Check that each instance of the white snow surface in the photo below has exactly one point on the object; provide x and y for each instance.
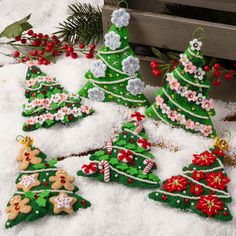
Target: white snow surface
(116, 209)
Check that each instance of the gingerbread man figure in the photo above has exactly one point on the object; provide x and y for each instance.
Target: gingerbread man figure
(62, 179)
(17, 206)
(28, 156)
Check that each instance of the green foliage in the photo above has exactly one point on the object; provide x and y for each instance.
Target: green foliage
(16, 28)
(84, 24)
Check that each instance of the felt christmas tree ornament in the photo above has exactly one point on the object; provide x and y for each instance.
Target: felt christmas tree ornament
(114, 76)
(126, 159)
(42, 188)
(184, 101)
(201, 188)
(48, 102)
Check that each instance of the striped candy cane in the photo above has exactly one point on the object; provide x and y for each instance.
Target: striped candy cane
(109, 145)
(138, 129)
(149, 164)
(105, 166)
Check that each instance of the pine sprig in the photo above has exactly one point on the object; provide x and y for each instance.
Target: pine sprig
(84, 24)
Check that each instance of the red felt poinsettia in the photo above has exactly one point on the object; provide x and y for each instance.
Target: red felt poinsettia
(125, 156)
(204, 159)
(198, 175)
(219, 152)
(196, 189)
(176, 183)
(142, 142)
(89, 169)
(209, 205)
(137, 116)
(217, 180)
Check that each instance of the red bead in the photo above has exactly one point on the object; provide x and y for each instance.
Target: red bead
(67, 54)
(17, 38)
(27, 92)
(33, 71)
(216, 73)
(46, 36)
(92, 46)
(225, 213)
(44, 92)
(55, 53)
(125, 132)
(216, 82)
(101, 171)
(132, 163)
(23, 41)
(30, 32)
(70, 117)
(89, 55)
(154, 65)
(74, 55)
(217, 66)
(57, 41)
(70, 49)
(228, 76)
(156, 73)
(36, 43)
(206, 68)
(186, 201)
(34, 53)
(164, 197)
(27, 159)
(51, 44)
(16, 54)
(34, 35)
(41, 52)
(17, 208)
(65, 46)
(131, 140)
(45, 184)
(33, 95)
(36, 196)
(44, 43)
(40, 35)
(82, 45)
(27, 127)
(83, 202)
(48, 49)
(46, 164)
(130, 181)
(63, 181)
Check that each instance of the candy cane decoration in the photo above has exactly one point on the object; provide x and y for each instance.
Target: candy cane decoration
(149, 164)
(109, 145)
(105, 166)
(138, 129)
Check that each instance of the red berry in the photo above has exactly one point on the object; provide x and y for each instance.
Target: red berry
(55, 53)
(51, 44)
(30, 32)
(82, 45)
(228, 76)
(17, 38)
(45, 62)
(48, 49)
(65, 46)
(70, 117)
(154, 65)
(74, 55)
(164, 197)
(44, 43)
(156, 73)
(83, 202)
(46, 36)
(41, 59)
(23, 41)
(130, 181)
(216, 82)
(231, 72)
(16, 54)
(216, 73)
(92, 46)
(217, 66)
(34, 35)
(54, 36)
(34, 53)
(70, 49)
(57, 41)
(89, 55)
(67, 54)
(41, 52)
(36, 43)
(40, 35)
(225, 213)
(206, 68)
(186, 201)
(45, 184)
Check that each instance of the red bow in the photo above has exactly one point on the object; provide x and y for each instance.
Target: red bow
(142, 142)
(89, 169)
(125, 156)
(137, 116)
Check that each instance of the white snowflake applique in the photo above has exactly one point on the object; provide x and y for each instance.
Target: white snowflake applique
(135, 86)
(112, 40)
(120, 18)
(98, 69)
(130, 65)
(96, 94)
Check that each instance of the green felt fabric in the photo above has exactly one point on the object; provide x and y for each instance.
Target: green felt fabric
(46, 90)
(186, 200)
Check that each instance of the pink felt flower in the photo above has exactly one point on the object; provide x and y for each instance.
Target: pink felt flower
(206, 130)
(48, 116)
(37, 102)
(191, 95)
(46, 102)
(189, 67)
(207, 104)
(181, 119)
(65, 110)
(189, 124)
(174, 84)
(30, 121)
(85, 109)
(30, 83)
(159, 100)
(173, 115)
(63, 97)
(49, 79)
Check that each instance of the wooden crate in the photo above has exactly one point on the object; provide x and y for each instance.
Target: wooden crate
(148, 26)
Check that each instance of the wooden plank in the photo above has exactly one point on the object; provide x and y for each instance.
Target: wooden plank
(222, 5)
(174, 33)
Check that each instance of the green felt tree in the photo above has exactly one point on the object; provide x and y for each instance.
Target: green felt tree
(126, 158)
(42, 188)
(114, 76)
(201, 188)
(184, 101)
(48, 102)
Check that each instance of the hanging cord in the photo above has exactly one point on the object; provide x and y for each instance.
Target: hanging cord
(123, 2)
(199, 33)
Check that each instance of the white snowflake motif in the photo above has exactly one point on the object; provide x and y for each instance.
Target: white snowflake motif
(200, 98)
(112, 40)
(135, 86)
(39, 119)
(96, 94)
(183, 58)
(27, 180)
(169, 76)
(199, 73)
(98, 69)
(59, 115)
(195, 45)
(76, 111)
(130, 65)
(120, 18)
(63, 201)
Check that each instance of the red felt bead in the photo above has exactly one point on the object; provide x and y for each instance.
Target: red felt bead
(55, 53)
(70, 117)
(156, 73)
(23, 41)
(54, 36)
(48, 49)
(36, 196)
(216, 82)
(67, 54)
(46, 36)
(154, 65)
(46, 164)
(206, 68)
(216, 73)
(17, 38)
(41, 52)
(30, 32)
(89, 55)
(44, 43)
(63, 181)
(16, 54)
(45, 184)
(82, 45)
(83, 202)
(217, 66)
(65, 46)
(74, 55)
(34, 53)
(225, 213)
(36, 43)
(186, 201)
(34, 35)
(70, 49)
(51, 44)
(130, 181)
(40, 35)
(164, 197)
(228, 76)
(92, 46)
